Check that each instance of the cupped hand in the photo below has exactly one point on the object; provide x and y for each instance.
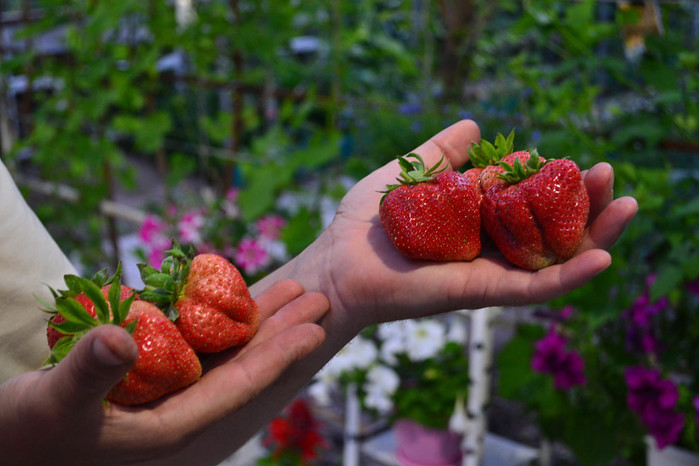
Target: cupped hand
(58, 416)
(367, 280)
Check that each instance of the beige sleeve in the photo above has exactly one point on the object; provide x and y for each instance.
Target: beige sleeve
(29, 261)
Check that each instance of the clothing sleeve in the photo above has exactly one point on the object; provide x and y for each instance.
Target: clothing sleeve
(30, 262)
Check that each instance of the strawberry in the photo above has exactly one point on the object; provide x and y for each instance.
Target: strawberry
(101, 280)
(432, 213)
(485, 158)
(536, 214)
(206, 297)
(165, 362)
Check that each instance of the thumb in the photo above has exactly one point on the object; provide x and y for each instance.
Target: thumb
(97, 362)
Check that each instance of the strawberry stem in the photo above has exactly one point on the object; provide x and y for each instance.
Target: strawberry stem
(487, 153)
(414, 172)
(516, 172)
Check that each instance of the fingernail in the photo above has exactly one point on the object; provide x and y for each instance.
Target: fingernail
(104, 354)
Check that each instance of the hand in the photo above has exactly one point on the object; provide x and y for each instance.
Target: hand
(368, 280)
(58, 416)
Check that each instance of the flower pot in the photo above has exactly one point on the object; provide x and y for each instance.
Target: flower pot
(669, 456)
(417, 445)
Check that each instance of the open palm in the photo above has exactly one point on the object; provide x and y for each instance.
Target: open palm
(368, 280)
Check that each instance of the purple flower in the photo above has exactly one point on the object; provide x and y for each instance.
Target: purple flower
(552, 357)
(640, 336)
(654, 400)
(693, 287)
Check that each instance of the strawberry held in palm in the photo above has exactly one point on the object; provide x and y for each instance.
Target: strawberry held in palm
(537, 214)
(432, 214)
(206, 297)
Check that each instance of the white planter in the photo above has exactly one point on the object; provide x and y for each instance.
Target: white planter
(669, 456)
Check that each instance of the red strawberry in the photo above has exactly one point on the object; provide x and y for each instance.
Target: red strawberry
(206, 297)
(53, 335)
(485, 157)
(432, 214)
(165, 362)
(537, 215)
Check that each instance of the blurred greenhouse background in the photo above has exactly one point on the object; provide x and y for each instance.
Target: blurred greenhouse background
(238, 126)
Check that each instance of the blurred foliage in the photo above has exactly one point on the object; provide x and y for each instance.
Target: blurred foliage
(266, 95)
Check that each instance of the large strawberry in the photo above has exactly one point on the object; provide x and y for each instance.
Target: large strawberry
(206, 297)
(432, 213)
(165, 361)
(537, 214)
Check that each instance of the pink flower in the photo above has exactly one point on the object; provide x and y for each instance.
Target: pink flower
(189, 227)
(156, 256)
(250, 256)
(269, 227)
(232, 195)
(152, 230)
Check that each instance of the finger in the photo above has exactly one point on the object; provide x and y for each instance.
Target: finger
(230, 386)
(452, 142)
(276, 296)
(517, 287)
(599, 181)
(609, 224)
(97, 362)
(307, 308)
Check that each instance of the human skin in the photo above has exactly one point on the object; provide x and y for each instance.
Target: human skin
(58, 416)
(367, 281)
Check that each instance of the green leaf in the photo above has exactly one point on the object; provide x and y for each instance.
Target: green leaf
(61, 349)
(67, 327)
(160, 280)
(73, 311)
(95, 295)
(123, 309)
(669, 277)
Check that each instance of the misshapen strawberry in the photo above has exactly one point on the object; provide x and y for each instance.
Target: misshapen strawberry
(537, 214)
(206, 297)
(432, 213)
(165, 362)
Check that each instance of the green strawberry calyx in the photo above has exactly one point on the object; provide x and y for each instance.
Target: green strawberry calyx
(77, 320)
(414, 172)
(487, 153)
(166, 286)
(517, 171)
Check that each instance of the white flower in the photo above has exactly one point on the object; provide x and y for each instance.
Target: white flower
(425, 338)
(276, 250)
(383, 378)
(320, 392)
(359, 353)
(457, 331)
(378, 400)
(381, 383)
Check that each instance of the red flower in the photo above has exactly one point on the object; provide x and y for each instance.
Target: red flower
(296, 434)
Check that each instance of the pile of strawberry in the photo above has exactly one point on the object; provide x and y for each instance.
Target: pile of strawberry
(533, 209)
(191, 306)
